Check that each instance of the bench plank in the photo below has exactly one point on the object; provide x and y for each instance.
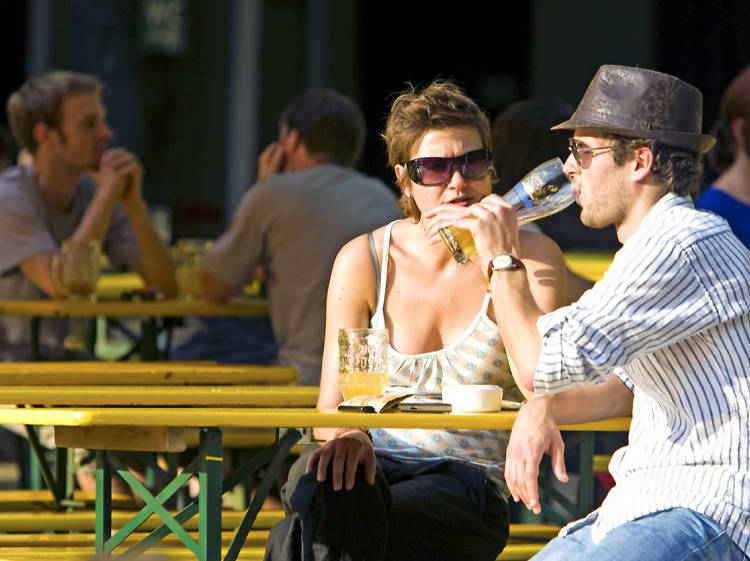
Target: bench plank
(141, 373)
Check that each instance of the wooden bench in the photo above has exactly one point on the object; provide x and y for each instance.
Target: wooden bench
(512, 552)
(525, 540)
(43, 500)
(85, 373)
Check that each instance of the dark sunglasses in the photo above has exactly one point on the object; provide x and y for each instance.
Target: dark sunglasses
(436, 171)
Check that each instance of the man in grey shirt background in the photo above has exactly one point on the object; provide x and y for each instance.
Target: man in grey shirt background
(307, 203)
(76, 189)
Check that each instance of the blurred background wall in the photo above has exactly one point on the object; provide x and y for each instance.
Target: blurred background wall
(195, 87)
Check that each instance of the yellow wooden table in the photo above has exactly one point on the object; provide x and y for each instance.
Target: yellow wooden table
(291, 423)
(140, 373)
(589, 264)
(155, 316)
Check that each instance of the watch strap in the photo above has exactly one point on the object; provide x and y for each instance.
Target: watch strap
(517, 264)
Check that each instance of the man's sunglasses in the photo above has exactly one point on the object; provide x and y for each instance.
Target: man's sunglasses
(436, 171)
(578, 152)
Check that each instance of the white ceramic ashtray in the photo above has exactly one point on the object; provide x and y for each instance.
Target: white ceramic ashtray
(473, 398)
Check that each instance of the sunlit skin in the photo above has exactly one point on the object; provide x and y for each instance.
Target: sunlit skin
(458, 190)
(597, 183)
(423, 277)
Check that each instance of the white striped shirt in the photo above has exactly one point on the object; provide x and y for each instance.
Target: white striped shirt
(673, 313)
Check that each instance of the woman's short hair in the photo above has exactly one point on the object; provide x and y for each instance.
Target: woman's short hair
(735, 103)
(439, 105)
(40, 100)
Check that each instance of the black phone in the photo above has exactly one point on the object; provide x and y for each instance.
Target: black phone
(424, 404)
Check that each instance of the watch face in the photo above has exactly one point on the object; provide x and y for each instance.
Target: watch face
(501, 262)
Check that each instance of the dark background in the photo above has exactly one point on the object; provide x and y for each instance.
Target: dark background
(182, 109)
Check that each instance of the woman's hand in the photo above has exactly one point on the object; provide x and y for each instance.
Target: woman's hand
(344, 453)
(492, 222)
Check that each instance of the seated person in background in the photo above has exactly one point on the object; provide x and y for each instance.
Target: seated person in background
(416, 494)
(671, 319)
(521, 139)
(729, 196)
(307, 203)
(75, 189)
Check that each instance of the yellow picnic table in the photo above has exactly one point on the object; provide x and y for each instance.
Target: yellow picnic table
(589, 264)
(290, 422)
(154, 316)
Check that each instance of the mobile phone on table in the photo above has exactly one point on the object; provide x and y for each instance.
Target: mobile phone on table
(424, 404)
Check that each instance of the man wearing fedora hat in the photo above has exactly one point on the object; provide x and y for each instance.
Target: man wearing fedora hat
(665, 335)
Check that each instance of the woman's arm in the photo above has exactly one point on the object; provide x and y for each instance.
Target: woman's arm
(350, 302)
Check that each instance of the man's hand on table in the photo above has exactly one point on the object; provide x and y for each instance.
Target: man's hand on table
(534, 434)
(344, 454)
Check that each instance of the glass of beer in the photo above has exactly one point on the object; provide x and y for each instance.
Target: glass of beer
(187, 254)
(543, 191)
(79, 268)
(363, 361)
(80, 263)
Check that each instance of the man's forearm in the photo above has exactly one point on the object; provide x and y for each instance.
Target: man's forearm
(155, 261)
(590, 402)
(95, 220)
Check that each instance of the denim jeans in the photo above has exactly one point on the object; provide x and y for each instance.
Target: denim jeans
(678, 534)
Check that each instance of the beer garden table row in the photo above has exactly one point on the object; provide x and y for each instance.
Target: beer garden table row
(291, 423)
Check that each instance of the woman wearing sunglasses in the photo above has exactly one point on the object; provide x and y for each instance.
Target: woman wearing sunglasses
(417, 494)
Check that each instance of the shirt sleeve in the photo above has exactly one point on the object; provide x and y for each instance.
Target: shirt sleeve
(22, 230)
(238, 251)
(651, 296)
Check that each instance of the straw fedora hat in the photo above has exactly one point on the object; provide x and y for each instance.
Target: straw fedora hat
(641, 103)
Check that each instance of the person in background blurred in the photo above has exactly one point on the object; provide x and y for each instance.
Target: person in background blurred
(75, 188)
(729, 195)
(6, 148)
(307, 203)
(522, 139)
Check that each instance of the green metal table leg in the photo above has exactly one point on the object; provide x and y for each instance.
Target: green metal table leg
(209, 498)
(586, 492)
(103, 526)
(148, 347)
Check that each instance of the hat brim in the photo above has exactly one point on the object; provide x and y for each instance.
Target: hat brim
(700, 143)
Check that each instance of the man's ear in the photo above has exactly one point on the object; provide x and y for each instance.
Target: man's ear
(643, 162)
(41, 132)
(291, 141)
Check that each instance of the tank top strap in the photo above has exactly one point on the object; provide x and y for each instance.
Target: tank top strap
(380, 290)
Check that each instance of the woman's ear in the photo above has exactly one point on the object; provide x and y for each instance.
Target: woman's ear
(737, 129)
(400, 171)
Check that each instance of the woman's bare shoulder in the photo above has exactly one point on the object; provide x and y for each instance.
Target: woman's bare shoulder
(539, 247)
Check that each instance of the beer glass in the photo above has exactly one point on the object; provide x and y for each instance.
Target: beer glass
(187, 255)
(543, 191)
(79, 268)
(363, 361)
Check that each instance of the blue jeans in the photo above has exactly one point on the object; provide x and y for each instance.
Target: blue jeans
(678, 534)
